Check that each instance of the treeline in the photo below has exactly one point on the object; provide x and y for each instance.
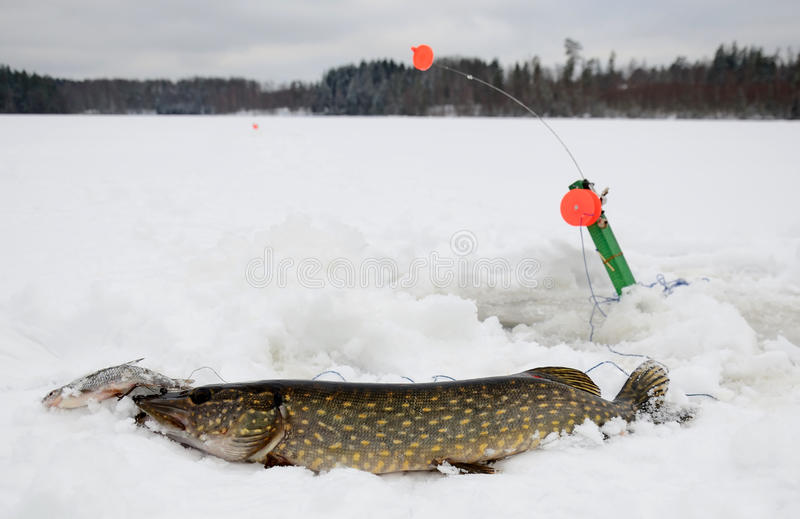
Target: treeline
(739, 82)
(21, 92)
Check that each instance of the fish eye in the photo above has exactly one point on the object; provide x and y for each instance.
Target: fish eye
(200, 396)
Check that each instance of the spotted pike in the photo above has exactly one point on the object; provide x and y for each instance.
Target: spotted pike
(114, 381)
(384, 428)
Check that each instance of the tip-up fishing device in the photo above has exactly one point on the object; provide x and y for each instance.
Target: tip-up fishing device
(581, 206)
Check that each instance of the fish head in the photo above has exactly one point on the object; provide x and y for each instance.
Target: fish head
(68, 397)
(232, 423)
(53, 398)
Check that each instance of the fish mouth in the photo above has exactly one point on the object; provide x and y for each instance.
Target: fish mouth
(169, 410)
(53, 399)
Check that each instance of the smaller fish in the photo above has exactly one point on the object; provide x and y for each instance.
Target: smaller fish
(114, 381)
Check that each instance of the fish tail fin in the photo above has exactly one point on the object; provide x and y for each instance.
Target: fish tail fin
(645, 388)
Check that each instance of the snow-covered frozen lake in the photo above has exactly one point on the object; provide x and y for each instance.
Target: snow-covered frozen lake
(354, 244)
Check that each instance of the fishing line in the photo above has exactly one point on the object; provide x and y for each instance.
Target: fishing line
(470, 77)
(668, 288)
(594, 298)
(331, 372)
(435, 377)
(597, 301)
(212, 369)
(628, 375)
(608, 362)
(712, 397)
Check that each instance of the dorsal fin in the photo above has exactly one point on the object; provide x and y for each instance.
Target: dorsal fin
(568, 376)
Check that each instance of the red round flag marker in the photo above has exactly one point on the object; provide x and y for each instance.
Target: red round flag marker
(581, 207)
(423, 57)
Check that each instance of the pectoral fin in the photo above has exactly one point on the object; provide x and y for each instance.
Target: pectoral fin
(276, 460)
(466, 467)
(253, 442)
(279, 433)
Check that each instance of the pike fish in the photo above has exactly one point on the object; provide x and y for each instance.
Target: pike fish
(384, 428)
(114, 381)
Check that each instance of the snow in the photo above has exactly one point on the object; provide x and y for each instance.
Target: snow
(128, 237)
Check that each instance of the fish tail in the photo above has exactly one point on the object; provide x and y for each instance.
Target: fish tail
(645, 388)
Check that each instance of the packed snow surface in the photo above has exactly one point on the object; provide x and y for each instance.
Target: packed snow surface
(384, 248)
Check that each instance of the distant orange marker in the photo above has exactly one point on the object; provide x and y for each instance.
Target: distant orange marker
(423, 57)
(255, 126)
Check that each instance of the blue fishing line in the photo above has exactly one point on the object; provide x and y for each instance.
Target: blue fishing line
(435, 377)
(621, 354)
(712, 397)
(209, 368)
(330, 371)
(594, 298)
(608, 362)
(669, 286)
(707, 395)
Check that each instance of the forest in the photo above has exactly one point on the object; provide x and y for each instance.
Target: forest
(738, 82)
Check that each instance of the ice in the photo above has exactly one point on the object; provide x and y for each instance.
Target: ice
(129, 237)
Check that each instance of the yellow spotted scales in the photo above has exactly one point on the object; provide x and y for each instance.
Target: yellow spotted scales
(384, 428)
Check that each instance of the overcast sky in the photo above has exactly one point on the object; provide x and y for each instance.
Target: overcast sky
(281, 40)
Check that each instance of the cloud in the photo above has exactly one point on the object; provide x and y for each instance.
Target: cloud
(285, 40)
